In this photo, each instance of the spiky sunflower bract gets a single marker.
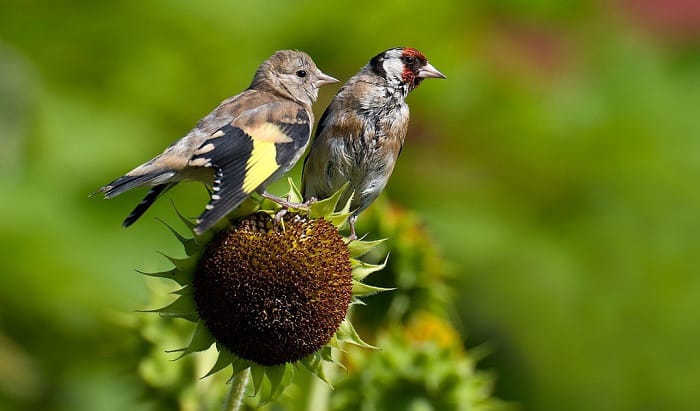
(277, 270)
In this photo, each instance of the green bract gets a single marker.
(271, 291)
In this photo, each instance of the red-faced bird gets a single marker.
(362, 131)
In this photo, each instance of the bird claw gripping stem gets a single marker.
(287, 205)
(303, 206)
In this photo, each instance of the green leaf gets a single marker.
(249, 206)
(180, 277)
(326, 206)
(361, 269)
(347, 333)
(201, 340)
(186, 221)
(359, 248)
(326, 353)
(183, 307)
(186, 290)
(238, 364)
(224, 359)
(190, 245)
(314, 363)
(257, 373)
(183, 264)
(294, 194)
(338, 219)
(346, 207)
(362, 290)
(280, 377)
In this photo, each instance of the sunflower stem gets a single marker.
(234, 399)
(319, 394)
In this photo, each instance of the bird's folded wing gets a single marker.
(247, 152)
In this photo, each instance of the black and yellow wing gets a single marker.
(249, 153)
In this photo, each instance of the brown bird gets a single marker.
(248, 141)
(362, 131)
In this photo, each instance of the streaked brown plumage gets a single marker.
(362, 132)
(245, 143)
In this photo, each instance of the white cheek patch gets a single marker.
(393, 69)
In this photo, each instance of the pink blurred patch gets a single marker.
(518, 49)
(675, 19)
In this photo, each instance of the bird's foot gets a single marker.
(353, 234)
(305, 206)
(279, 215)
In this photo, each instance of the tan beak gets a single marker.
(323, 79)
(428, 71)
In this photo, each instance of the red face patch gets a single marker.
(408, 51)
(411, 70)
(408, 76)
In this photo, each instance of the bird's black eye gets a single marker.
(301, 73)
(409, 60)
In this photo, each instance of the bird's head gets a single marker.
(403, 67)
(291, 74)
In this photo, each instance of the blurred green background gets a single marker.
(557, 168)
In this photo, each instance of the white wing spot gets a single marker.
(215, 197)
(209, 206)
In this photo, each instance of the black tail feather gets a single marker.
(126, 183)
(147, 201)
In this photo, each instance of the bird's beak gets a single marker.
(428, 71)
(324, 79)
